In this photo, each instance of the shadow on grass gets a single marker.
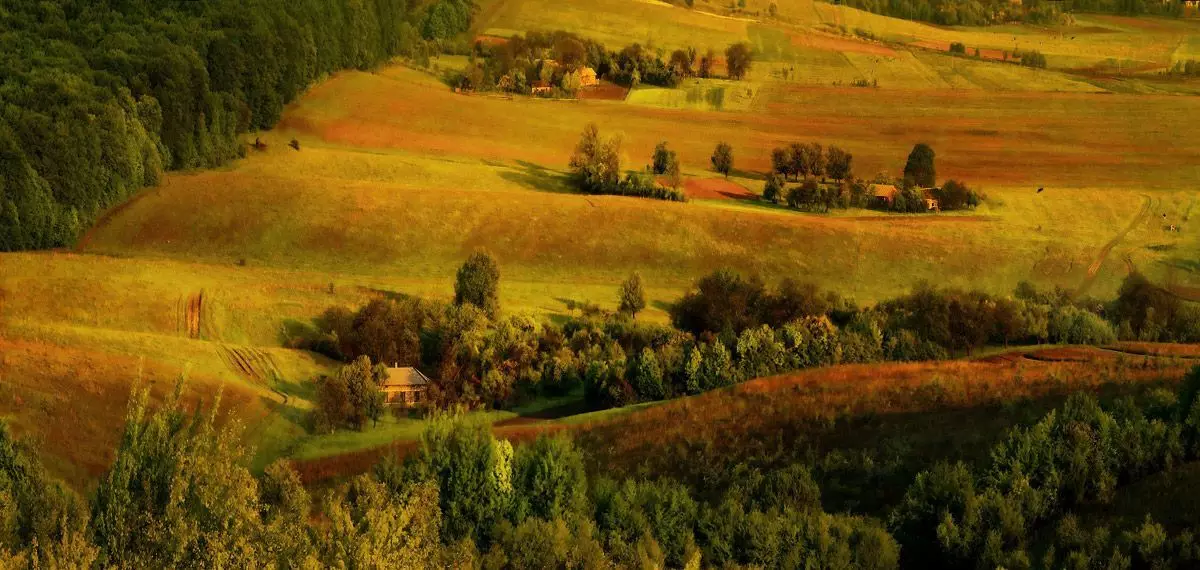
(537, 177)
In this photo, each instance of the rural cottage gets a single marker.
(405, 387)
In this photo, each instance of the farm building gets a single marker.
(404, 387)
(541, 88)
(587, 77)
(884, 193)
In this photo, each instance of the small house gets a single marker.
(541, 88)
(587, 77)
(884, 193)
(404, 387)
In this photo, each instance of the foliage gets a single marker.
(351, 397)
(738, 58)
(920, 168)
(478, 283)
(177, 493)
(596, 169)
(773, 189)
(722, 158)
(472, 473)
(104, 98)
(632, 295)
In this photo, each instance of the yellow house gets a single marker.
(404, 387)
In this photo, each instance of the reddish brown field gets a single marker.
(715, 189)
(604, 91)
(1157, 349)
(944, 46)
(1071, 138)
(816, 40)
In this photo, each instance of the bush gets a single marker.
(1072, 325)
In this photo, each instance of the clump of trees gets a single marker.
(478, 283)
(351, 397)
(596, 169)
(1189, 67)
(954, 517)
(738, 59)
(558, 58)
(101, 99)
(919, 169)
(1032, 58)
(810, 163)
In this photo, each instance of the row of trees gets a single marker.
(100, 99)
(727, 329)
(596, 169)
(800, 160)
(558, 58)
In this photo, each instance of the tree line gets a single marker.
(101, 98)
(557, 59)
(727, 329)
(179, 494)
(991, 12)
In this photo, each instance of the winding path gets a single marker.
(1094, 268)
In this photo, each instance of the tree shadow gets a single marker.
(662, 305)
(537, 177)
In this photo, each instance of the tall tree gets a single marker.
(738, 58)
(722, 158)
(632, 295)
(478, 283)
(920, 168)
(838, 165)
(661, 159)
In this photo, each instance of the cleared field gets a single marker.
(384, 211)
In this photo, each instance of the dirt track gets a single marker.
(1094, 268)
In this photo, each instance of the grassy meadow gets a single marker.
(398, 180)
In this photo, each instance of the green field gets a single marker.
(399, 180)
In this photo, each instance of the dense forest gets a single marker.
(97, 99)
